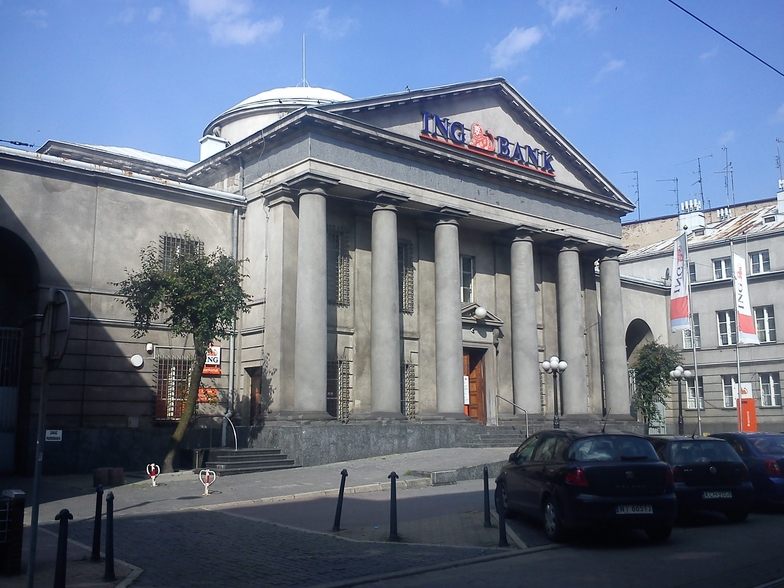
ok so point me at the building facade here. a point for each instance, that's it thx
(412, 259)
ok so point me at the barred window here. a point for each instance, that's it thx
(405, 261)
(339, 389)
(408, 390)
(172, 387)
(338, 290)
(175, 246)
(770, 388)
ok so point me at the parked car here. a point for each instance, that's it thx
(571, 479)
(708, 475)
(763, 454)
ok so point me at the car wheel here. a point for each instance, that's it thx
(737, 516)
(659, 533)
(553, 527)
(502, 501)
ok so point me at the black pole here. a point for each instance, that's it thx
(680, 408)
(487, 500)
(108, 574)
(96, 555)
(62, 548)
(393, 510)
(501, 509)
(556, 415)
(339, 510)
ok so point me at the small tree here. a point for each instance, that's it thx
(198, 295)
(652, 378)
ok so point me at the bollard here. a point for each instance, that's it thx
(339, 510)
(207, 477)
(153, 471)
(501, 508)
(487, 500)
(62, 548)
(96, 555)
(108, 573)
(393, 509)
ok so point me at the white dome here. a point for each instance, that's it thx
(298, 95)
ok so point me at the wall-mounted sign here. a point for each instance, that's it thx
(484, 142)
(212, 366)
(208, 395)
(54, 435)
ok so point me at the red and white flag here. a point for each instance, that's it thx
(679, 289)
(747, 331)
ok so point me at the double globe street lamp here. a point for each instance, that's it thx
(555, 366)
(678, 374)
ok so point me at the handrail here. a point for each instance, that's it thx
(516, 406)
(236, 445)
(212, 416)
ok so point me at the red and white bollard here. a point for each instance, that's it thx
(153, 470)
(207, 477)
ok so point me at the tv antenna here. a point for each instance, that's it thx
(699, 176)
(304, 83)
(729, 179)
(778, 157)
(675, 189)
(636, 190)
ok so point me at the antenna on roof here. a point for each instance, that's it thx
(778, 157)
(677, 196)
(729, 179)
(636, 189)
(304, 82)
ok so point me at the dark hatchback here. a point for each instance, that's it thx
(763, 454)
(576, 479)
(708, 475)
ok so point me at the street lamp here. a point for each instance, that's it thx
(555, 366)
(678, 374)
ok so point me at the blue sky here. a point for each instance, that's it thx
(635, 85)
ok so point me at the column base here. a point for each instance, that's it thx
(378, 416)
(444, 416)
(302, 415)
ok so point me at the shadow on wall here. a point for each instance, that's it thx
(262, 394)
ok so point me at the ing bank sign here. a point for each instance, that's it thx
(478, 140)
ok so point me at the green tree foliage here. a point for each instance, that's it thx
(652, 377)
(197, 295)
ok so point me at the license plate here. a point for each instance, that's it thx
(622, 509)
(717, 494)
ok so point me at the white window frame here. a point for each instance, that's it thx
(759, 262)
(728, 334)
(691, 401)
(728, 383)
(765, 322)
(467, 275)
(687, 339)
(692, 272)
(722, 268)
(770, 390)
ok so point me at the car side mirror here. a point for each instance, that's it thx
(512, 457)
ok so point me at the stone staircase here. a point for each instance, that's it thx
(501, 436)
(228, 461)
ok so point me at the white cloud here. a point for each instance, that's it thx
(609, 67)
(229, 21)
(514, 45)
(37, 17)
(155, 14)
(124, 17)
(709, 54)
(331, 28)
(727, 137)
(779, 116)
(563, 11)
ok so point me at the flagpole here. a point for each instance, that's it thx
(737, 334)
(693, 339)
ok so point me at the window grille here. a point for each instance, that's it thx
(172, 387)
(405, 260)
(766, 323)
(408, 390)
(338, 284)
(770, 389)
(173, 247)
(339, 389)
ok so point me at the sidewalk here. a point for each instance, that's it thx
(244, 496)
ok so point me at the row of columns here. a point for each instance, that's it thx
(310, 344)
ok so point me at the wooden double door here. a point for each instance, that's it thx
(475, 389)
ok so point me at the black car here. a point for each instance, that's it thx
(571, 479)
(708, 475)
(763, 454)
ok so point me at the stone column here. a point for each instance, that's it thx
(310, 343)
(449, 326)
(616, 375)
(385, 314)
(571, 330)
(525, 346)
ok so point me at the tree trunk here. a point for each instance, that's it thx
(194, 381)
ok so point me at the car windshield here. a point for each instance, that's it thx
(612, 448)
(769, 444)
(693, 451)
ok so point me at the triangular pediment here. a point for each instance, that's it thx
(483, 317)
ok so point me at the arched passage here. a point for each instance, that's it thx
(638, 333)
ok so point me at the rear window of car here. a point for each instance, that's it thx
(769, 444)
(689, 451)
(612, 448)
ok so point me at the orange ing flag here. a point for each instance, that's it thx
(679, 290)
(747, 331)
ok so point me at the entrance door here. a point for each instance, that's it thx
(474, 370)
(10, 364)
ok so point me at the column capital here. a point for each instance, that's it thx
(612, 252)
(571, 243)
(383, 197)
(281, 194)
(525, 233)
(311, 182)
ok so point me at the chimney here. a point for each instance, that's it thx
(210, 145)
(691, 217)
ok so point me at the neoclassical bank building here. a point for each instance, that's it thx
(412, 260)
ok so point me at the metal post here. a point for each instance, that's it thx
(501, 509)
(339, 510)
(680, 407)
(556, 412)
(393, 510)
(96, 555)
(62, 548)
(487, 499)
(108, 574)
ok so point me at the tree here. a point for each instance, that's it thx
(197, 295)
(652, 378)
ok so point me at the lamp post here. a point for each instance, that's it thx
(678, 374)
(555, 366)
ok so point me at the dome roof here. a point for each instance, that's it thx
(298, 95)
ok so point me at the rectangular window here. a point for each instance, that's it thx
(173, 247)
(338, 267)
(760, 262)
(339, 389)
(405, 261)
(691, 400)
(692, 272)
(408, 390)
(466, 279)
(722, 268)
(688, 341)
(766, 323)
(770, 388)
(728, 384)
(727, 333)
(172, 387)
